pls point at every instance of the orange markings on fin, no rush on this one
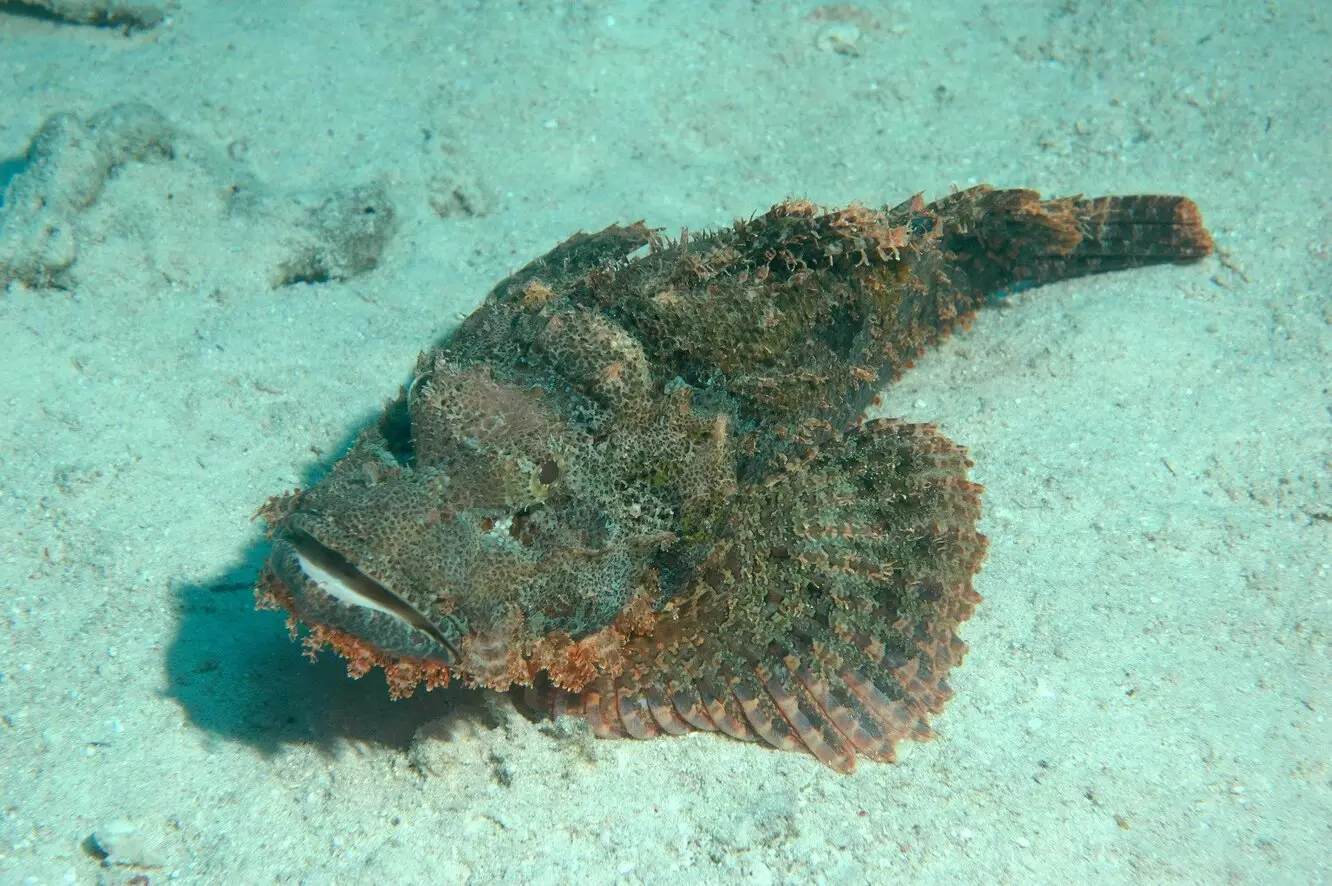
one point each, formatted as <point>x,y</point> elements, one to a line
<point>851,719</point>
<point>806,718</point>
<point>726,711</point>
<point>665,715</point>
<point>692,710</point>
<point>763,715</point>
<point>896,718</point>
<point>634,714</point>
<point>594,711</point>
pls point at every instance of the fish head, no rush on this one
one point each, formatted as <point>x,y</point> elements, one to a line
<point>489,526</point>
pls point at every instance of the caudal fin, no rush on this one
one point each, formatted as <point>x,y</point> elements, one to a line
<point>1011,238</point>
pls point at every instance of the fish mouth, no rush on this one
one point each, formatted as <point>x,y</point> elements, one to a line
<point>329,589</point>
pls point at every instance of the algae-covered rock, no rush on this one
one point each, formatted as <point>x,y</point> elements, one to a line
<point>104,13</point>
<point>66,165</point>
<point>127,192</point>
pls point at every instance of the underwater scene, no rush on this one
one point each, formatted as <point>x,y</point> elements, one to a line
<point>721,441</point>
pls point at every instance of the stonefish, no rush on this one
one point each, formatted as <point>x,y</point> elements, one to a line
<point>636,480</point>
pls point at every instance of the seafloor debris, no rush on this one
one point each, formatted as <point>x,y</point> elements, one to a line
<point>100,13</point>
<point>65,168</point>
<point>635,481</point>
<point>121,844</point>
<point>48,198</point>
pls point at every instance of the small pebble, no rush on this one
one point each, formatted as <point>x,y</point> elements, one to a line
<point>121,843</point>
<point>839,37</point>
<point>760,874</point>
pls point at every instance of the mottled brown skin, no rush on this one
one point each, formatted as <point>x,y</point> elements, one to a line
<point>636,480</point>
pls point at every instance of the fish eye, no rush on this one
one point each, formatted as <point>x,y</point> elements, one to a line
<point>548,472</point>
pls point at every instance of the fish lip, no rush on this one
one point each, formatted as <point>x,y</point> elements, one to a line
<point>328,589</point>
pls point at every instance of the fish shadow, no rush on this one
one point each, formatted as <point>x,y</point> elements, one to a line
<point>239,675</point>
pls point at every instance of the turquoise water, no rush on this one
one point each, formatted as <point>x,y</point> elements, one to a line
<point>252,217</point>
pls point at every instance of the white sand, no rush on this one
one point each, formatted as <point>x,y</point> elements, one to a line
<point>1147,698</point>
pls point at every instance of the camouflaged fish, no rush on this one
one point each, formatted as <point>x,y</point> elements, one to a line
<point>636,480</point>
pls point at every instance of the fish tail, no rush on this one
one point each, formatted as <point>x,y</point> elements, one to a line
<point>1011,239</point>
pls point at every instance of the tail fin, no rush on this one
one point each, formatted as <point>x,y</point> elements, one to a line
<point>1011,238</point>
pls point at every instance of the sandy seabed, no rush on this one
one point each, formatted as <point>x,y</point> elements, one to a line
<point>199,311</point>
